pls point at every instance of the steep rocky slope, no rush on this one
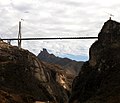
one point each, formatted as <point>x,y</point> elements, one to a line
<point>70,66</point>
<point>99,78</point>
<point>25,79</point>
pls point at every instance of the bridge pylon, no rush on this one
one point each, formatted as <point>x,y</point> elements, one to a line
<point>19,35</point>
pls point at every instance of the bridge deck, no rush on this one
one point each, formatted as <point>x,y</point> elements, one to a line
<point>50,38</point>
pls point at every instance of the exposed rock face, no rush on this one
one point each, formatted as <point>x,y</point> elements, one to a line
<point>25,79</point>
<point>71,66</point>
<point>99,79</point>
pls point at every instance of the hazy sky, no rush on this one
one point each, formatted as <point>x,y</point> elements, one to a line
<point>56,18</point>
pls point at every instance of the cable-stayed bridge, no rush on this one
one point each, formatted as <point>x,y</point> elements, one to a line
<point>20,39</point>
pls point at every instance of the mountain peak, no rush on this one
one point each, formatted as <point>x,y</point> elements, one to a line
<point>109,33</point>
<point>65,63</point>
<point>44,53</point>
<point>45,50</point>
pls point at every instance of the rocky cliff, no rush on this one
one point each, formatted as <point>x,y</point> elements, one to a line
<point>72,67</point>
<point>25,79</point>
<point>99,78</point>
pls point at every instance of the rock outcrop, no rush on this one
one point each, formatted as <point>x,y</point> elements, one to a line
<point>99,78</point>
<point>25,79</point>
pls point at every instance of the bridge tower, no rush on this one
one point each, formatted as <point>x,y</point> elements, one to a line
<point>19,35</point>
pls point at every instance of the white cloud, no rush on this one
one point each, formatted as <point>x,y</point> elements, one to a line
<point>46,18</point>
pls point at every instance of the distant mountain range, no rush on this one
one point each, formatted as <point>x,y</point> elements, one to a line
<point>71,66</point>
